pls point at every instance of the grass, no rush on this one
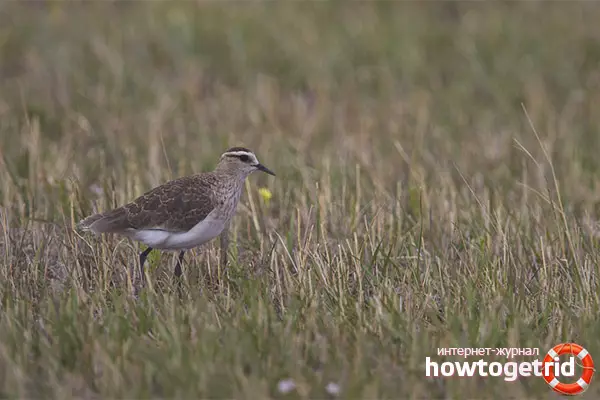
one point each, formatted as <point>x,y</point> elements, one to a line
<point>437,186</point>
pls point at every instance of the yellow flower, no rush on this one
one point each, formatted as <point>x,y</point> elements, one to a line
<point>265,194</point>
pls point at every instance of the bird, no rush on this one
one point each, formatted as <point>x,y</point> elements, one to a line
<point>183,213</point>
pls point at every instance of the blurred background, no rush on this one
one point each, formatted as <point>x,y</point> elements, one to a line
<point>389,86</point>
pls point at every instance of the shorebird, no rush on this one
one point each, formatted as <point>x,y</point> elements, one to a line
<point>183,213</point>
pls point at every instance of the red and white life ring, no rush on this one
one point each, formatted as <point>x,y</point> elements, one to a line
<point>569,388</point>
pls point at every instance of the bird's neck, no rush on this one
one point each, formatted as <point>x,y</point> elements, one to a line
<point>230,172</point>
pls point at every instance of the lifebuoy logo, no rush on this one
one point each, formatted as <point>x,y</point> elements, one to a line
<point>552,365</point>
<point>557,373</point>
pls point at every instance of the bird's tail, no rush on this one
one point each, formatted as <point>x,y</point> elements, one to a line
<point>107,222</point>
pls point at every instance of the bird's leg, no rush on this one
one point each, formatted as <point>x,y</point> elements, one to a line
<point>224,239</point>
<point>178,265</point>
<point>143,256</point>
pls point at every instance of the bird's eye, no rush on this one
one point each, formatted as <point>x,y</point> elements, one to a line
<point>244,158</point>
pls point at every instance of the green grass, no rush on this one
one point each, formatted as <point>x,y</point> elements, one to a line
<point>437,186</point>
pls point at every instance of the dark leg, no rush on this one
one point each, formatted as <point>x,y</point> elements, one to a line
<point>178,265</point>
<point>143,256</point>
<point>224,239</point>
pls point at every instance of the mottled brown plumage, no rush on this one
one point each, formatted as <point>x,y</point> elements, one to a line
<point>175,206</point>
<point>185,212</point>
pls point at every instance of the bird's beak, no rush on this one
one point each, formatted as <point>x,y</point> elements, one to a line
<point>264,169</point>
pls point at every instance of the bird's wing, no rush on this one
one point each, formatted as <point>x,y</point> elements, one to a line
<point>175,206</point>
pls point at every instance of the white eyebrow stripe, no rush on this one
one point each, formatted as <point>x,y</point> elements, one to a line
<point>238,153</point>
<point>241,153</point>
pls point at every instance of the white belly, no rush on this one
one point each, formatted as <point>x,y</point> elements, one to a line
<point>203,232</point>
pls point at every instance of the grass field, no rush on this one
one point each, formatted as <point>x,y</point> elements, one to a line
<point>438,185</point>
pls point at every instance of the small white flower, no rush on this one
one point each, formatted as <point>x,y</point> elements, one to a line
<point>286,386</point>
<point>97,189</point>
<point>333,388</point>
